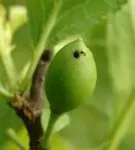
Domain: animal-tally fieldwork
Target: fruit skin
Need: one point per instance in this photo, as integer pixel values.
(71, 77)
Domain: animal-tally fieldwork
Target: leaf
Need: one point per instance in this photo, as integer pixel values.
(102, 100)
(16, 140)
(60, 124)
(5, 51)
(116, 4)
(121, 60)
(77, 17)
(91, 124)
(132, 13)
(58, 142)
(128, 142)
(17, 17)
(40, 37)
(5, 113)
(23, 49)
(121, 64)
(38, 14)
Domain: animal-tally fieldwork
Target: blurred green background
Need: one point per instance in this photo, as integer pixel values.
(107, 119)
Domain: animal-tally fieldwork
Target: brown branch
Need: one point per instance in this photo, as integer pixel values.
(29, 108)
(36, 99)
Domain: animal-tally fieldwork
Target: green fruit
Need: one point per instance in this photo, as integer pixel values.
(71, 77)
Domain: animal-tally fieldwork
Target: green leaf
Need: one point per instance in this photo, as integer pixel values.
(11, 134)
(16, 139)
(60, 123)
(115, 4)
(58, 142)
(121, 64)
(77, 17)
(38, 14)
(132, 14)
(5, 51)
(40, 38)
(128, 142)
(5, 113)
(120, 39)
(91, 124)
(17, 17)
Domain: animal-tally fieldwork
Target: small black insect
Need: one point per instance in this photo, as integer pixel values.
(76, 54)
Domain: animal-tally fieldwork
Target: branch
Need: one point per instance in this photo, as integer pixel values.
(36, 99)
(29, 108)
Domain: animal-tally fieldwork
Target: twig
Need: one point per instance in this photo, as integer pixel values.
(29, 108)
(36, 99)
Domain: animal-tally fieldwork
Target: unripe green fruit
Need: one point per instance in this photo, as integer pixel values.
(71, 77)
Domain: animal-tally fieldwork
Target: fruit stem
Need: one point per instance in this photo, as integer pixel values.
(47, 137)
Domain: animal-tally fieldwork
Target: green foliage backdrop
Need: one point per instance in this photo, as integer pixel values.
(108, 28)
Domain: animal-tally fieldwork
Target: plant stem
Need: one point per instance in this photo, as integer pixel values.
(5, 54)
(43, 42)
(45, 141)
(12, 136)
(123, 122)
(10, 69)
(6, 93)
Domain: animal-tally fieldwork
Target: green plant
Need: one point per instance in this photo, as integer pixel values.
(107, 27)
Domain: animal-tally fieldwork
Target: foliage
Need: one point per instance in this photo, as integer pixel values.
(108, 29)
